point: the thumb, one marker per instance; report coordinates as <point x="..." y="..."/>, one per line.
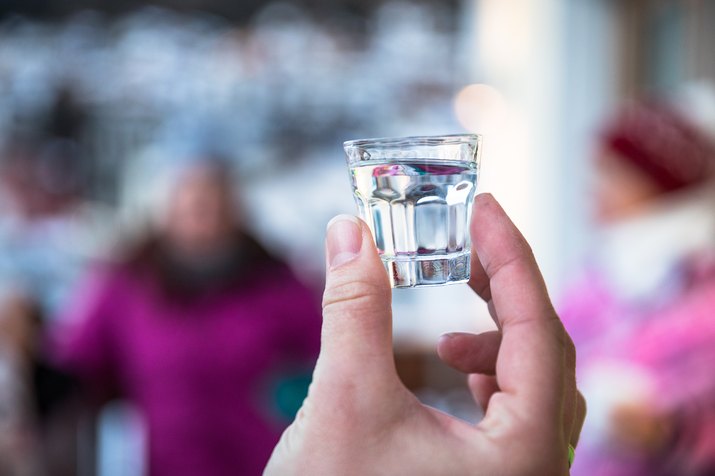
<point x="355" y="375"/>
<point x="357" y="316"/>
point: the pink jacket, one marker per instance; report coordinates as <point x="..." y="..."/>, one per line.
<point x="662" y="351"/>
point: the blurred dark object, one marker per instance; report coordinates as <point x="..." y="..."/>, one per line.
<point x="56" y="10"/>
<point x="42" y="166"/>
<point x="46" y="419"/>
<point x="40" y="174"/>
<point x="233" y="11"/>
<point x="67" y="118"/>
<point x="22" y="329"/>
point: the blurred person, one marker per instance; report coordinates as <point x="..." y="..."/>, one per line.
<point x="44" y="169"/>
<point x="642" y="316"/>
<point x="46" y="234"/>
<point x="206" y="333"/>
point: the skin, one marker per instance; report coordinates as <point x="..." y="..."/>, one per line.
<point x="18" y="328"/>
<point x="640" y="428"/>
<point x="200" y="213"/>
<point x="359" y="419"/>
<point x="621" y="190"/>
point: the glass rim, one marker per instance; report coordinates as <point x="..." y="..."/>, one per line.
<point x="447" y="139"/>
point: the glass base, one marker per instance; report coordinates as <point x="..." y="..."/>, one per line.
<point x="428" y="270"/>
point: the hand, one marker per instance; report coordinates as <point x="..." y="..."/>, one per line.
<point x="359" y="418"/>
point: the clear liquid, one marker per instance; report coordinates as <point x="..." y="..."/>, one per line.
<point x="418" y="211"/>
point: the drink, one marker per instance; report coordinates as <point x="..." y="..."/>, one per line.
<point x="416" y="195"/>
<point x="418" y="211"/>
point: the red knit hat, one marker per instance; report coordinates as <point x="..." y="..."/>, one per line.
<point x="662" y="144"/>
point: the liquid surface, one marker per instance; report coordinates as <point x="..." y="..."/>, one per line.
<point x="416" y="209"/>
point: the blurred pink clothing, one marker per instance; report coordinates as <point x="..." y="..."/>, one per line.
<point x="664" y="349"/>
<point x="199" y="371"/>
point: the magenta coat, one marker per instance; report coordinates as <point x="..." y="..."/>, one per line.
<point x="201" y="372"/>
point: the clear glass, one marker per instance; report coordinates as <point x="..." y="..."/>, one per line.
<point x="416" y="195"/>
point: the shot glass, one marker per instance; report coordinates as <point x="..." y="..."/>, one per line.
<point x="416" y="194"/>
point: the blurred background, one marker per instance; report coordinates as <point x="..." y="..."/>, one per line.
<point x="108" y="112"/>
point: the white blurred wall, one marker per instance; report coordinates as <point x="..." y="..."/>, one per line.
<point x="554" y="63"/>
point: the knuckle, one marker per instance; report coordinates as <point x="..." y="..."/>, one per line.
<point x="569" y="351"/>
<point x="525" y="248"/>
<point x="357" y="294"/>
<point x="569" y="347"/>
<point x="563" y="338"/>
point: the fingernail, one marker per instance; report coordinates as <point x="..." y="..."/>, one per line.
<point x="487" y="199"/>
<point x="484" y="196"/>
<point x="446" y="337"/>
<point x="344" y="240"/>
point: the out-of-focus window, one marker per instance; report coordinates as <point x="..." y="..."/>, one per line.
<point x="665" y="44"/>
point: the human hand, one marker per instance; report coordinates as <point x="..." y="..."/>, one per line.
<point x="360" y="419"/>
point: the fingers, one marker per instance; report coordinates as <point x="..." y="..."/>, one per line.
<point x="357" y="317"/>
<point x="470" y="353"/>
<point x="531" y="359"/>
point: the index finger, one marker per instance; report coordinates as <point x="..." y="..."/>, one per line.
<point x="531" y="359"/>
